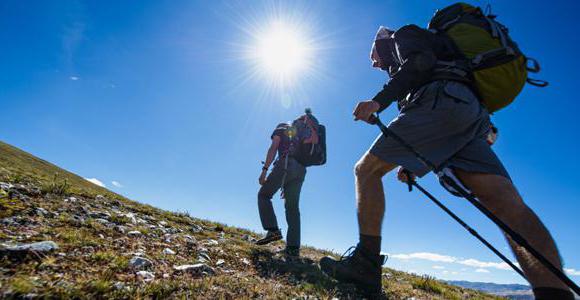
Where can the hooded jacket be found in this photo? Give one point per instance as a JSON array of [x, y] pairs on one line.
[[412, 55]]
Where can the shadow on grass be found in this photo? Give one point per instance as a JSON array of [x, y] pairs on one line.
[[297, 272]]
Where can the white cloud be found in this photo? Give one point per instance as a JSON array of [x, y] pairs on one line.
[[74, 78], [482, 271], [482, 264], [426, 256], [116, 184], [471, 262], [572, 272], [439, 267], [96, 181]]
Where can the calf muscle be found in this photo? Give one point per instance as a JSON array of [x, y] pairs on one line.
[[370, 196], [499, 195]]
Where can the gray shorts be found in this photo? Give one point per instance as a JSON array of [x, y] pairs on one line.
[[445, 122]]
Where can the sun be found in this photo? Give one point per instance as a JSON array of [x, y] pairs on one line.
[[282, 53]]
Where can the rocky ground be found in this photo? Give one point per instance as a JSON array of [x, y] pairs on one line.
[[61, 241]]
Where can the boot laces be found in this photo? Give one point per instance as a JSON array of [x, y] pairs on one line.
[[349, 253]]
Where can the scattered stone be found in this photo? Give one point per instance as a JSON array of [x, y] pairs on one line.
[[168, 251], [42, 212], [101, 236], [163, 223], [101, 198], [211, 242], [220, 262], [203, 257], [102, 221], [120, 228], [23, 249], [119, 285], [196, 269], [249, 238], [145, 275], [245, 261], [196, 228], [99, 214], [131, 217], [70, 199], [165, 275], [140, 263], [134, 233]]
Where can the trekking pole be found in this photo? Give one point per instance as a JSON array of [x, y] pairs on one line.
[[412, 182], [510, 232]]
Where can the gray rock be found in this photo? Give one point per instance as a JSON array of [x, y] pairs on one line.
[[168, 251], [70, 199], [131, 217], [140, 263], [145, 275], [99, 214], [101, 198], [220, 262], [134, 233], [203, 257], [196, 269], [102, 221], [162, 223], [211, 242], [121, 228], [42, 212], [38, 247], [119, 285], [196, 228]]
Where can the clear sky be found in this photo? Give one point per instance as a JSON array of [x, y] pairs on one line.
[[164, 102]]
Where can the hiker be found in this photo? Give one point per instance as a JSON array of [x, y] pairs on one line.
[[288, 141], [441, 116]]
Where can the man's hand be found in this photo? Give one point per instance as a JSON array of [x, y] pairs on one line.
[[262, 178], [365, 109], [402, 175]]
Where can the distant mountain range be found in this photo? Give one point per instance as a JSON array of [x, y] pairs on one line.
[[512, 291]]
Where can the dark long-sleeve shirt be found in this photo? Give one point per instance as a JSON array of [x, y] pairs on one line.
[[413, 56]]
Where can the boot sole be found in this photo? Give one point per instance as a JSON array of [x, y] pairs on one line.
[[274, 239]]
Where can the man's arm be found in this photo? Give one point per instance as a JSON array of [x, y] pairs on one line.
[[270, 155], [415, 51]]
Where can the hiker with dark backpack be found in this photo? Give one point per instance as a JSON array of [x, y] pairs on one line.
[[299, 144], [447, 79]]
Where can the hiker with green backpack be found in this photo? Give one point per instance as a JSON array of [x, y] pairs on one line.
[[298, 145], [446, 79]]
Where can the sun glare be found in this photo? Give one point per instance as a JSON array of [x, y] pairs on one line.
[[282, 51]]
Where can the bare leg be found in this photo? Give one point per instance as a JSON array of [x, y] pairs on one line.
[[370, 196], [500, 196]]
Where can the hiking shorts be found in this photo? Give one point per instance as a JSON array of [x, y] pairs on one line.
[[445, 122]]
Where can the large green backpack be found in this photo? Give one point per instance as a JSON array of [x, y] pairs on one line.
[[498, 68]]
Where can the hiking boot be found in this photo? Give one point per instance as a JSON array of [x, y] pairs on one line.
[[358, 267], [271, 236]]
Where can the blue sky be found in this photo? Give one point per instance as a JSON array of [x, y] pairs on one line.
[[159, 96]]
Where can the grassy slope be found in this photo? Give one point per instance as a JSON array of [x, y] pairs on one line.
[[93, 257]]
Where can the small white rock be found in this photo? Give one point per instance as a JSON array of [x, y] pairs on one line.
[[168, 251], [134, 233], [146, 275]]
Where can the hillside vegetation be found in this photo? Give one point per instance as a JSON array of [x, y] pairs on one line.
[[97, 244]]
